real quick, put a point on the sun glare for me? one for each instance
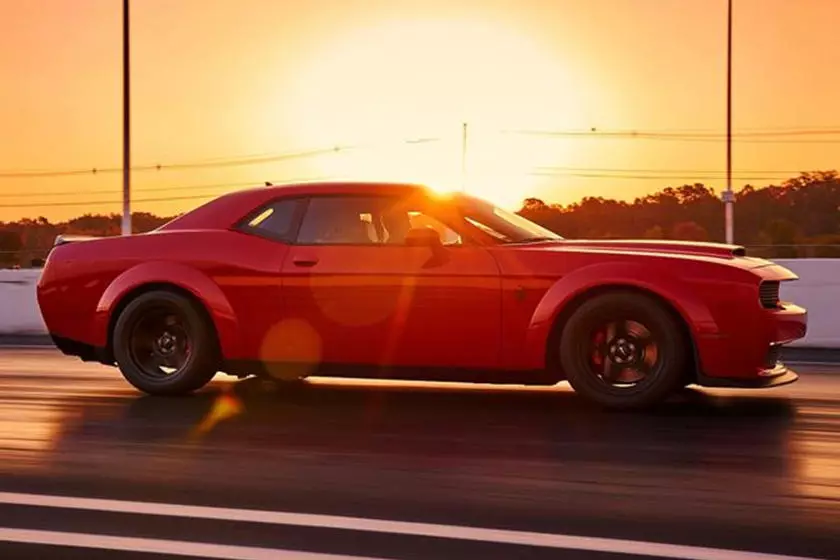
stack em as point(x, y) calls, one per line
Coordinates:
point(400, 91)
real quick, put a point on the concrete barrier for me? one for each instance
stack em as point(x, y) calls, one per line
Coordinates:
point(818, 290)
point(19, 313)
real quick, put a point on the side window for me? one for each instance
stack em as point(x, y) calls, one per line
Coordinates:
point(369, 220)
point(338, 220)
point(276, 221)
point(419, 219)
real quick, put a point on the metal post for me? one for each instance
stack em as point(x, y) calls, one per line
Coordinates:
point(464, 157)
point(126, 212)
point(729, 197)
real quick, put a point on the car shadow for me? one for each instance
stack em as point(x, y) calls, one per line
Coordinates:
point(416, 420)
point(385, 404)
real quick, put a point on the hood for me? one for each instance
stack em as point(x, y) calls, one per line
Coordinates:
point(719, 250)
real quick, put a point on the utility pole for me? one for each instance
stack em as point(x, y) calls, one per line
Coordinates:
point(464, 157)
point(126, 79)
point(728, 195)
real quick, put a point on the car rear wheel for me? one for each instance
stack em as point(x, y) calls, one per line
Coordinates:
point(164, 344)
point(624, 350)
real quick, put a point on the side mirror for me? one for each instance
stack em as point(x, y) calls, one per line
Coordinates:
point(423, 237)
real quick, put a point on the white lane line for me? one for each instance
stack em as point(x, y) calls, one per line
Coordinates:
point(501, 536)
point(160, 546)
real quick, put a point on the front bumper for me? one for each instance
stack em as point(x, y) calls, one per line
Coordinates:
point(750, 355)
point(776, 377)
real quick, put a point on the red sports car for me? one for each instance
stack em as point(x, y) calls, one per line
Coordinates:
point(396, 281)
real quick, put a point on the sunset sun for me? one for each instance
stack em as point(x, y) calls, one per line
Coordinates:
point(400, 92)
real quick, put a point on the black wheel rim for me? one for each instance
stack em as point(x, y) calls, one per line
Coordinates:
point(623, 353)
point(160, 344)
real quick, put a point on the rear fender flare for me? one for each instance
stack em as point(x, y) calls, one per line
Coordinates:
point(170, 274)
point(675, 292)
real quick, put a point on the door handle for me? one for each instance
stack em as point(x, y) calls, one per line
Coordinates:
point(304, 261)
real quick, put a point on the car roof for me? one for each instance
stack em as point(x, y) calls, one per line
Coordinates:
point(227, 209)
point(338, 187)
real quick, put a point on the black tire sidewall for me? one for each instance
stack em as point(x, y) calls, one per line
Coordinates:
point(201, 365)
point(672, 348)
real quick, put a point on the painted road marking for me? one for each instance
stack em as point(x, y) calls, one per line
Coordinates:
point(160, 546)
point(501, 536)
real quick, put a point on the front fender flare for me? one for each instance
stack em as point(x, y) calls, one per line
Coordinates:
point(674, 291)
point(174, 274)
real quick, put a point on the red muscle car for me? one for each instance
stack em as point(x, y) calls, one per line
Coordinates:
point(397, 281)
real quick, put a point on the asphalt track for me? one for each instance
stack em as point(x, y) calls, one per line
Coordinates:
point(245, 469)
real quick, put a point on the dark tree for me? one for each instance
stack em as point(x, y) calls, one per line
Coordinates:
point(10, 245)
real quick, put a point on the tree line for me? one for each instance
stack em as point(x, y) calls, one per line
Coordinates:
point(798, 218)
point(27, 242)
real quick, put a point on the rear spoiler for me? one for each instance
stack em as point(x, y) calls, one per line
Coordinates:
point(65, 239)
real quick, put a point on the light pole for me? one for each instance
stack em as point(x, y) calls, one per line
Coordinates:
point(728, 195)
point(126, 85)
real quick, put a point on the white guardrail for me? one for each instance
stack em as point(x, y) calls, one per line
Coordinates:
point(818, 290)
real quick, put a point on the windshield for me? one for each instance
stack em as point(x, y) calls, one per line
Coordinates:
point(501, 224)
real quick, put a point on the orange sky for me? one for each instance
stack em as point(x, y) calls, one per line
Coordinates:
point(227, 79)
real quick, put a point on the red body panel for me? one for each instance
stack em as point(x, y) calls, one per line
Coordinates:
point(191, 279)
point(744, 332)
point(234, 275)
point(478, 306)
point(396, 305)
point(606, 272)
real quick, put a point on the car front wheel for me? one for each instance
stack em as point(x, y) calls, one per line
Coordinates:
point(164, 344)
point(624, 350)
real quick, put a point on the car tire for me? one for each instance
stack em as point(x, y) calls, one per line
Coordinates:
point(163, 329)
point(609, 360)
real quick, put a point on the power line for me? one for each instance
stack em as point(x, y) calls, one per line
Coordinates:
point(781, 173)
point(547, 171)
point(766, 137)
point(160, 199)
point(103, 202)
point(756, 136)
point(813, 129)
point(672, 171)
point(760, 137)
point(136, 190)
point(160, 167)
point(207, 163)
point(647, 177)
point(817, 129)
point(540, 173)
point(678, 133)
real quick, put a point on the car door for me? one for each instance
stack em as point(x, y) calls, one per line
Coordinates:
point(250, 277)
point(355, 293)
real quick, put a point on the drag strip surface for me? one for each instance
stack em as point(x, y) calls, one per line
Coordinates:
point(372, 470)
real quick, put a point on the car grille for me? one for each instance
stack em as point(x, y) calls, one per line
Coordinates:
point(768, 293)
